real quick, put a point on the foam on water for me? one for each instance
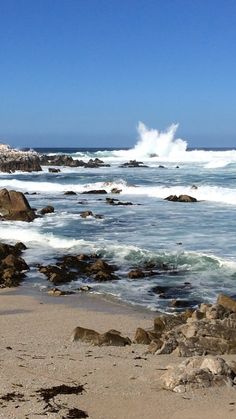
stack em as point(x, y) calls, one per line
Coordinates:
point(162, 146)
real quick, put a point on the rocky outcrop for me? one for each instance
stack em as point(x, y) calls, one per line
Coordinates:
point(70, 268)
point(110, 338)
point(64, 160)
point(14, 206)
point(210, 329)
point(12, 160)
point(12, 266)
point(181, 198)
point(133, 163)
point(198, 372)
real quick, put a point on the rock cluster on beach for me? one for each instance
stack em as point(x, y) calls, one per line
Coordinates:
point(12, 160)
point(210, 329)
point(12, 266)
point(69, 268)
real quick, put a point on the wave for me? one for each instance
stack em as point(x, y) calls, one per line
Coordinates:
point(162, 146)
point(202, 193)
point(125, 254)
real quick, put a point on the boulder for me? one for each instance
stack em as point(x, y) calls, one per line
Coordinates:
point(12, 160)
point(227, 302)
point(181, 198)
point(47, 210)
point(198, 372)
point(110, 338)
point(12, 261)
point(136, 273)
point(85, 214)
point(14, 206)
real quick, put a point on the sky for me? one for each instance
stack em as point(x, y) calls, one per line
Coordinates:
point(80, 73)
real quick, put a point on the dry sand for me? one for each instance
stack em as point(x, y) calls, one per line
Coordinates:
point(36, 352)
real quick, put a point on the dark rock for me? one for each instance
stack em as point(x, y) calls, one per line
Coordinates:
point(181, 198)
point(47, 210)
point(114, 201)
point(53, 170)
point(116, 190)
point(56, 292)
point(95, 191)
point(70, 193)
point(136, 273)
point(14, 206)
point(60, 160)
point(85, 214)
point(15, 262)
point(133, 163)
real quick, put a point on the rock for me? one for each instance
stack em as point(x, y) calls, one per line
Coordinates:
point(181, 198)
point(19, 247)
point(17, 263)
point(12, 266)
point(85, 288)
point(154, 346)
point(47, 210)
point(113, 338)
point(133, 163)
point(85, 335)
point(12, 160)
point(96, 163)
point(142, 337)
point(136, 273)
point(70, 193)
point(197, 373)
point(194, 187)
point(227, 302)
point(14, 206)
point(60, 160)
point(116, 190)
point(85, 214)
point(110, 338)
point(57, 275)
point(113, 201)
point(10, 277)
point(53, 170)
point(95, 192)
point(56, 292)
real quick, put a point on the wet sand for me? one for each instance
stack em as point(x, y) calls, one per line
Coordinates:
point(118, 382)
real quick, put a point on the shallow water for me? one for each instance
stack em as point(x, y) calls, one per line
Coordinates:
point(196, 240)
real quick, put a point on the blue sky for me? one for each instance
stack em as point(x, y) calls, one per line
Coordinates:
point(84, 72)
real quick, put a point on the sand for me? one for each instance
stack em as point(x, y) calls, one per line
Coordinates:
point(36, 352)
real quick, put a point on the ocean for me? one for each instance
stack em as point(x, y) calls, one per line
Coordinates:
point(195, 240)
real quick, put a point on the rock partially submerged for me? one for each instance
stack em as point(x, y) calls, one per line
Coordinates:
point(14, 206)
point(198, 372)
point(12, 266)
point(133, 163)
point(181, 198)
point(69, 268)
point(12, 160)
point(110, 338)
point(68, 161)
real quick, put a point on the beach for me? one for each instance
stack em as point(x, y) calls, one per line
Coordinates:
point(118, 382)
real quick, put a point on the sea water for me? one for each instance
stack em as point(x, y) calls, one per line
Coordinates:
point(196, 240)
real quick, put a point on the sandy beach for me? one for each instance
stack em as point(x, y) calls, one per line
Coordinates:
point(117, 382)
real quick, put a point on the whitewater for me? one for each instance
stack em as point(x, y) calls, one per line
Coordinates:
point(197, 240)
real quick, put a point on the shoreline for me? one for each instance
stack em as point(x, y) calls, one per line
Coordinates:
point(36, 353)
